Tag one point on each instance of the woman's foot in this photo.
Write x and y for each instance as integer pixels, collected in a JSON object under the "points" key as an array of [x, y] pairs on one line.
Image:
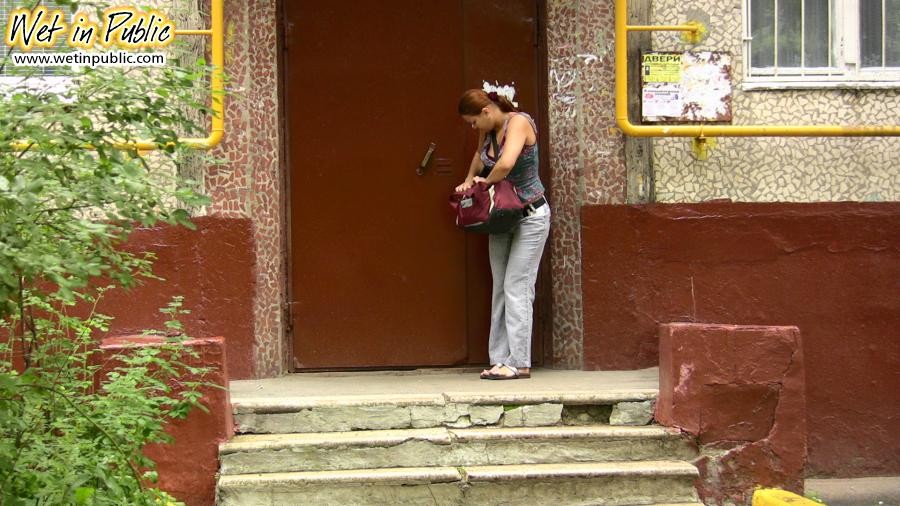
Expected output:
{"points": [[506, 372], [494, 370]]}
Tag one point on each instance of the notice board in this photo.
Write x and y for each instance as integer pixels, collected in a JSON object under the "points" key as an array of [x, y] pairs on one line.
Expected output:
{"points": [[686, 86]]}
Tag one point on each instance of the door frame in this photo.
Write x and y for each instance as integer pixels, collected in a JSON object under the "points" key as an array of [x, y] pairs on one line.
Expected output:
{"points": [[543, 330], [545, 272]]}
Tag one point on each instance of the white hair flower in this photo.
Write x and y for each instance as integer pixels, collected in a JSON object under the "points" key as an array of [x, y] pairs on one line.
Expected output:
{"points": [[505, 90]]}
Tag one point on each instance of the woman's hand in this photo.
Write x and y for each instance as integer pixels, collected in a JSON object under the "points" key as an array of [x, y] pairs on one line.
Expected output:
{"points": [[468, 183]]}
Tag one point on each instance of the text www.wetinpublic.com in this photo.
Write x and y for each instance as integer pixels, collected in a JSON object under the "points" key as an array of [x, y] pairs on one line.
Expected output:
{"points": [[91, 59]]}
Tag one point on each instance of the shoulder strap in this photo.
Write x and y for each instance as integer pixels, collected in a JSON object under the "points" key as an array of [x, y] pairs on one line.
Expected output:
{"points": [[530, 121], [527, 117], [494, 144], [506, 125]]}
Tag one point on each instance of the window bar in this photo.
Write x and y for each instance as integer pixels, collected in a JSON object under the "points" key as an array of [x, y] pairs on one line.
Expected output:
{"points": [[883, 34], [748, 39], [775, 38], [830, 37], [803, 38]]}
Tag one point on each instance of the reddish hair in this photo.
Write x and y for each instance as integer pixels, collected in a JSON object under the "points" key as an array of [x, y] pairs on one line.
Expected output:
{"points": [[473, 101]]}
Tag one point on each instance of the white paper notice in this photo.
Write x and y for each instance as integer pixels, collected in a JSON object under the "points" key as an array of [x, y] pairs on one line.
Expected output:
{"points": [[662, 99]]}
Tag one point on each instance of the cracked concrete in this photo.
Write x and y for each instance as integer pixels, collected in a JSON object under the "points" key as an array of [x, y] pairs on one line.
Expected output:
{"points": [[449, 447], [632, 413], [312, 402], [448, 440], [740, 391], [387, 416], [595, 483]]}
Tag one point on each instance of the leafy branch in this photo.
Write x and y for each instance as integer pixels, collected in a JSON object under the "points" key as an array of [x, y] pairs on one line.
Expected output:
{"points": [[72, 429]]}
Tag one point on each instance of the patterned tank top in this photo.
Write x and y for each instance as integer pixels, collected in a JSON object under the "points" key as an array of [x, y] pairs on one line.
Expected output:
{"points": [[524, 174]]}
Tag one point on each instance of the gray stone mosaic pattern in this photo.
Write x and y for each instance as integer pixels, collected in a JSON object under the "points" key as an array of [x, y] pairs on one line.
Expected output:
{"points": [[586, 150], [249, 183], [776, 169]]}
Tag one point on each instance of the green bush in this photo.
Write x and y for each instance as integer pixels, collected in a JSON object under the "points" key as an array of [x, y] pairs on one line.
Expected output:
{"points": [[68, 201], [73, 426]]}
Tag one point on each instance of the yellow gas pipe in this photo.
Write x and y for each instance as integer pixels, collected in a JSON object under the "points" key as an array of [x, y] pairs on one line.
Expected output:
{"points": [[216, 85], [704, 131]]}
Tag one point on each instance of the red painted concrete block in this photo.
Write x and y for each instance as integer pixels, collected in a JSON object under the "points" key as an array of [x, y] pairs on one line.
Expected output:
{"points": [[740, 391], [735, 412], [187, 467], [761, 354], [213, 268]]}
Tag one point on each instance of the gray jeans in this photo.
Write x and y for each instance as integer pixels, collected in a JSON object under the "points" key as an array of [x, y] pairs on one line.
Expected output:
{"points": [[515, 258]]}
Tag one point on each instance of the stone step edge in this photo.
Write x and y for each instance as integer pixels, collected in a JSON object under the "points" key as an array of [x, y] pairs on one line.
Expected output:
{"points": [[272, 405], [424, 475], [672, 504], [439, 435]]}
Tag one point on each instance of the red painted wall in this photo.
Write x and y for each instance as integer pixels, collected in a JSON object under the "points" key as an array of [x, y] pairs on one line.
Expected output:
{"points": [[188, 465], [213, 268], [831, 269]]}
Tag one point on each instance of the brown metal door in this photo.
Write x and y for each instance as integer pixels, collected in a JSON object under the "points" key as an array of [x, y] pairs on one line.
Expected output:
{"points": [[380, 277]]}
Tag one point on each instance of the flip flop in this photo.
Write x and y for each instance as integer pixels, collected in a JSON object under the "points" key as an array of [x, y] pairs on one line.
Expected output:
{"points": [[515, 374], [487, 372]]}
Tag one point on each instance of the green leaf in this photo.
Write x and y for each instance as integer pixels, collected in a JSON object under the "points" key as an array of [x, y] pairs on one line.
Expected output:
{"points": [[182, 217], [84, 495]]}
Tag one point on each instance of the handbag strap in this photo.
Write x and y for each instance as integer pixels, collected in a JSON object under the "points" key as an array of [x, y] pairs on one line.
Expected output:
{"points": [[494, 145], [494, 139]]}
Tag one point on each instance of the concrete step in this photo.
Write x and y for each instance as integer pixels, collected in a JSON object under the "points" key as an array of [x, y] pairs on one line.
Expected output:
{"points": [[273, 415], [610, 483], [277, 453]]}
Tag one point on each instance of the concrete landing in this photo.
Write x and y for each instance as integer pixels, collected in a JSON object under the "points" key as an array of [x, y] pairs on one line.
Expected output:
{"points": [[458, 384], [882, 491]]}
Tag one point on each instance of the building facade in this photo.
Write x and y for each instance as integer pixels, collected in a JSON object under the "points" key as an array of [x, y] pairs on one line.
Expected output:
{"points": [[832, 197], [334, 105]]}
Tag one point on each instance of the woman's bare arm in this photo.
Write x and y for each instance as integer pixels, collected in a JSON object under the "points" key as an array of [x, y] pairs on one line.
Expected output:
{"points": [[517, 133], [475, 166]]}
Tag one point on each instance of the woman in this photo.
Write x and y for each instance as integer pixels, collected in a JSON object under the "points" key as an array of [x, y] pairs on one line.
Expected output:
{"points": [[507, 141]]}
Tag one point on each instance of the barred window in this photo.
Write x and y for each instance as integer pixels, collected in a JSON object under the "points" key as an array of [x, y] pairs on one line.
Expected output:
{"points": [[823, 40], [7, 6], [879, 26]]}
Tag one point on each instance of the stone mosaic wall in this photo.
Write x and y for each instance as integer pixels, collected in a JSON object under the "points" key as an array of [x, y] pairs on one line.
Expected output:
{"points": [[587, 159], [249, 183], [776, 169], [586, 153]]}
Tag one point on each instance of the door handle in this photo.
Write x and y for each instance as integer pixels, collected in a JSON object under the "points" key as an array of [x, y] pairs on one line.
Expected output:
{"points": [[420, 170]]}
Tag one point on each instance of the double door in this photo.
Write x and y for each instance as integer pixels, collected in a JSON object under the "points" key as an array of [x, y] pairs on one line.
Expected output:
{"points": [[380, 276]]}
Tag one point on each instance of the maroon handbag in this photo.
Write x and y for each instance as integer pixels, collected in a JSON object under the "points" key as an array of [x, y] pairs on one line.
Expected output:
{"points": [[494, 209]]}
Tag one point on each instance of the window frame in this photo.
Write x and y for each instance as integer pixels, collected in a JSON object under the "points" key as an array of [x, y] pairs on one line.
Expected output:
{"points": [[846, 71], [53, 83]]}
